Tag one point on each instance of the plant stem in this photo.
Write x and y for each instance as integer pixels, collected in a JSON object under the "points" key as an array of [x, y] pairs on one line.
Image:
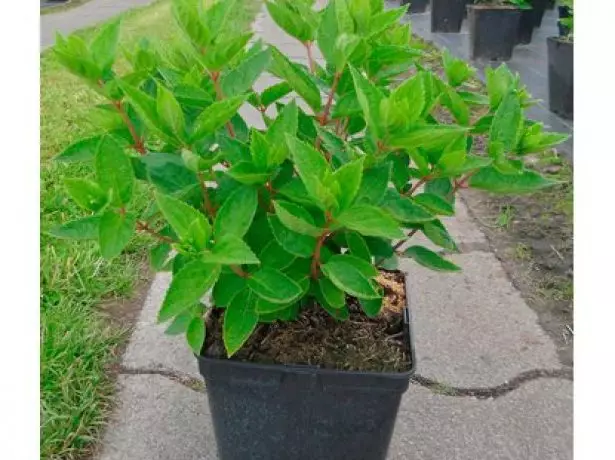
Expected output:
{"points": [[319, 243], [215, 76], [239, 272], [144, 227], [308, 47], [420, 182], [207, 204], [138, 142], [324, 118]]}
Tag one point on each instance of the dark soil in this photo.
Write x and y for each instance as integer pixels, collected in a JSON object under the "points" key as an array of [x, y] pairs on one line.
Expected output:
{"points": [[315, 338]]}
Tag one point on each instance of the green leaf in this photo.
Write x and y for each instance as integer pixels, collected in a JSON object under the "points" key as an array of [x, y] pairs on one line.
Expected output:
{"points": [[240, 320], [371, 221], [438, 234], [114, 232], [170, 112], [114, 171], [357, 246], [371, 307], [274, 256], [195, 334], [290, 17], [231, 250], [180, 324], [228, 285], [499, 82], [435, 204], [275, 92], [242, 77], [505, 126], [259, 150], [348, 178], [298, 78], [292, 242], [327, 33], [296, 218], [247, 173], [525, 181], [274, 286], [184, 220], [405, 210], [430, 259], [187, 287], [428, 137], [237, 212], [457, 70], [104, 43], [80, 229], [81, 151], [264, 307], [345, 273], [86, 193], [409, 101], [285, 124], [159, 255], [374, 184], [370, 98], [334, 297], [215, 116]]}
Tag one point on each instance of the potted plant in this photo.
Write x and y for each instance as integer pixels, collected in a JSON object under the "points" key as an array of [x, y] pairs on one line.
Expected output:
{"points": [[447, 15], [539, 7], [527, 22], [564, 11], [494, 28], [416, 6], [560, 52], [275, 237]]}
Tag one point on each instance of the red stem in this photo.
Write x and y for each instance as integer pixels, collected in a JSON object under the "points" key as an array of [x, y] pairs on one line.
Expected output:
{"points": [[215, 76], [207, 204], [308, 47], [239, 272], [324, 118], [144, 227], [138, 142]]}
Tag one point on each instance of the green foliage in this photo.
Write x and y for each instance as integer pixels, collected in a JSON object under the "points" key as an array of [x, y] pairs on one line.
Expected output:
{"points": [[308, 207]]}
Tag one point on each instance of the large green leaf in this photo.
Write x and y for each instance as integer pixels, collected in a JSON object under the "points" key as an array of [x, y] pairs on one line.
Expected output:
{"points": [[170, 112], [275, 92], [184, 220], [294, 20], [274, 286], [114, 232], [227, 286], [371, 307], [371, 221], [406, 210], [347, 275], [80, 229], [104, 43], [374, 184], [348, 178], [237, 212], [298, 78], [429, 137], [438, 234], [296, 218], [195, 334], [247, 173], [435, 204], [187, 287], [86, 193], [505, 126], [358, 246], [275, 256], [332, 294], [430, 259], [240, 319], [167, 172], [231, 250], [370, 98], [114, 172], [215, 116], [81, 151], [242, 77], [526, 181]]}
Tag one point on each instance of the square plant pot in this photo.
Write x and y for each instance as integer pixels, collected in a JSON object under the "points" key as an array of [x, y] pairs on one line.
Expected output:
{"points": [[447, 15], [561, 76], [493, 31], [416, 6], [270, 410], [526, 26]]}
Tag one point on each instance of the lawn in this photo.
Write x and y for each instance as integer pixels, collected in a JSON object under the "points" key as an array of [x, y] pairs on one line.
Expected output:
{"points": [[78, 342]]}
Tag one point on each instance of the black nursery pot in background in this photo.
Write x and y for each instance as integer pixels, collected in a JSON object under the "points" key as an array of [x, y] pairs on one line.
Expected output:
{"points": [[416, 6], [447, 15], [526, 26], [493, 31], [277, 412], [561, 73], [538, 7], [550, 4]]}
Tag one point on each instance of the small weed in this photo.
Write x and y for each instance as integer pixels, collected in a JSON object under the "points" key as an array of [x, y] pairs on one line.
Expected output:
{"points": [[505, 216]]}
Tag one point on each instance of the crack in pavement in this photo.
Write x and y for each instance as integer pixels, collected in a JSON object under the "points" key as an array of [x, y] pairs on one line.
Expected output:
{"points": [[183, 379], [494, 391], [433, 385]]}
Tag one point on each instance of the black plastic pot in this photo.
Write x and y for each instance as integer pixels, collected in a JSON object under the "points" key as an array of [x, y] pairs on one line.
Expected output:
{"points": [[561, 76], [538, 7], [493, 31], [550, 4], [416, 6], [465, 10], [526, 26], [563, 12], [277, 412], [447, 15]]}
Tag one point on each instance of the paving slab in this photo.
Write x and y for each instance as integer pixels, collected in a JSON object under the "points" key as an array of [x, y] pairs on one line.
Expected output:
{"points": [[86, 15], [473, 328], [159, 419]]}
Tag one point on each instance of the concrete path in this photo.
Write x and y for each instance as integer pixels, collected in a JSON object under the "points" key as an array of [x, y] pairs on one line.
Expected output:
{"points": [[82, 16], [474, 336], [529, 60]]}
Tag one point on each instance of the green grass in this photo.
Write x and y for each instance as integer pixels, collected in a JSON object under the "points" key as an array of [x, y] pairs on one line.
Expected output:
{"points": [[78, 342]]}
